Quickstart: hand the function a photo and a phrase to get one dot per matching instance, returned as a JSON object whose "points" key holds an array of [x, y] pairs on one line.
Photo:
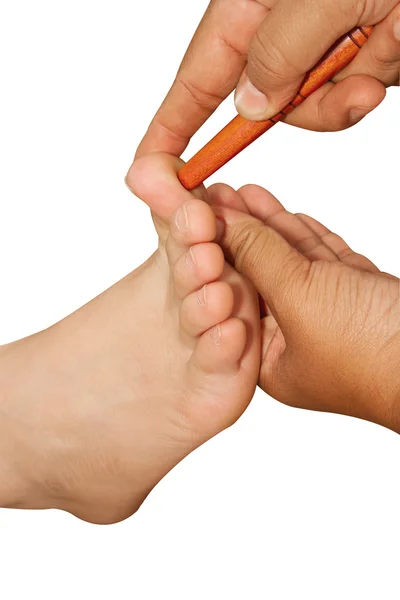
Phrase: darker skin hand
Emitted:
{"points": [[267, 37], [331, 337]]}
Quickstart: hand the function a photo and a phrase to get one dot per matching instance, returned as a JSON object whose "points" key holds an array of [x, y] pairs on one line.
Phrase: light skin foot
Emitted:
{"points": [[97, 409]]}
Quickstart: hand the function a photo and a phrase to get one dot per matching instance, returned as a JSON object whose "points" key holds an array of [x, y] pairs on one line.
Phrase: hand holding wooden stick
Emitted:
{"points": [[240, 132]]}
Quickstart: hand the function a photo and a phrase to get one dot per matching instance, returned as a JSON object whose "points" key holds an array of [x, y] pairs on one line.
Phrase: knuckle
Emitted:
{"points": [[271, 64], [351, 12], [362, 8], [246, 245], [384, 61], [307, 243], [332, 117], [267, 63], [199, 95], [297, 274]]}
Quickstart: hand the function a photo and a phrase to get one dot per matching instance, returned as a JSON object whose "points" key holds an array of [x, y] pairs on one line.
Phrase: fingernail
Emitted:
{"points": [[220, 230], [215, 334], [202, 296], [396, 30], [250, 102], [356, 114], [191, 258], [182, 219]]}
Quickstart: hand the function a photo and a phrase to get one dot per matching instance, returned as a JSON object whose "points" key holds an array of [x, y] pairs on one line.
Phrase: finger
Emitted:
{"points": [[260, 203], [277, 270], [209, 72], [294, 230], [221, 194], [337, 107], [290, 41], [338, 246], [380, 57]]}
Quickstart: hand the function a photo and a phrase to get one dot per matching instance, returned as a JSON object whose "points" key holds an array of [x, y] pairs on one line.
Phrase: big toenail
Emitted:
{"points": [[181, 219], [202, 296], [191, 258]]}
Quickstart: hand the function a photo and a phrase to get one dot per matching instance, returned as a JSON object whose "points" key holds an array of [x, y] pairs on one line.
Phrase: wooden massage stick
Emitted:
{"points": [[240, 132]]}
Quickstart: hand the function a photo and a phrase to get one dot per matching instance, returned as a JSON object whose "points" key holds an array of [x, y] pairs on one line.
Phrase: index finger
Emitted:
{"points": [[209, 72]]}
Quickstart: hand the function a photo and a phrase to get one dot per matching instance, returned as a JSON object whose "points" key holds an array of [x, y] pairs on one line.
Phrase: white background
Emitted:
{"points": [[284, 505]]}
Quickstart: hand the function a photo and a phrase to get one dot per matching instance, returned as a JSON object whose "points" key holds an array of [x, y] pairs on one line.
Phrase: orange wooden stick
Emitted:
{"points": [[240, 133]]}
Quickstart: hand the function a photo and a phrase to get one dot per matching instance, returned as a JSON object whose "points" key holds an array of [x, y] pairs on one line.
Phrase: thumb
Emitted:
{"points": [[290, 41], [276, 269]]}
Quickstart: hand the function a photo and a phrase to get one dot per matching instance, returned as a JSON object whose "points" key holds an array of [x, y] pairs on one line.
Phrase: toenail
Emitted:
{"points": [[216, 335], [181, 219], [202, 296], [191, 258]]}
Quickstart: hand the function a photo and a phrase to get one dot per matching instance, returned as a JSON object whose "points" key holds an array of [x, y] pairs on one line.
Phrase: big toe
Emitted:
{"points": [[154, 179]]}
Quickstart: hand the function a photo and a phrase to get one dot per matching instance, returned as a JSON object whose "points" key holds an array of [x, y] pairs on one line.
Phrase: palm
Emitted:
{"points": [[348, 314]]}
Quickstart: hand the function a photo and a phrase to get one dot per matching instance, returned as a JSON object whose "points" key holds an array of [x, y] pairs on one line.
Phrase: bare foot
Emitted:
{"points": [[102, 405]]}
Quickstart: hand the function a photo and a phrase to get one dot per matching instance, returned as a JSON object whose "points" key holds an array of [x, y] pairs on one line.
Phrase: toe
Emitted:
{"points": [[201, 264], [207, 307], [153, 179], [193, 223], [220, 349]]}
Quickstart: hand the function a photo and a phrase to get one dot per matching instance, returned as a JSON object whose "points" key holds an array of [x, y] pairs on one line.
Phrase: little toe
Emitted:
{"points": [[220, 349], [201, 264], [207, 307]]}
